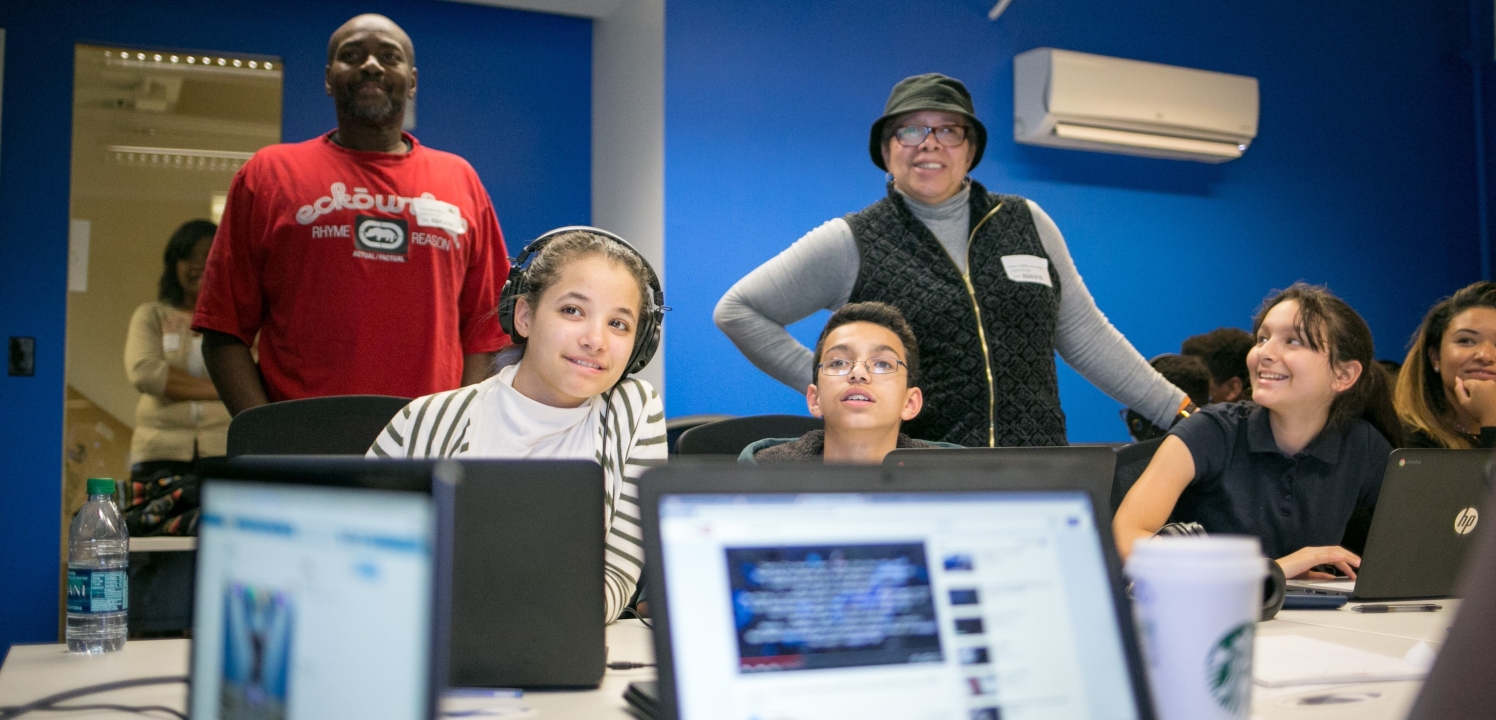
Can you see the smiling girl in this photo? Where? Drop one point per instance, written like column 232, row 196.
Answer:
column 585, row 314
column 1446, row 393
column 1293, row 465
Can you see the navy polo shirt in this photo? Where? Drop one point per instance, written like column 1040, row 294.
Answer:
column 1245, row 485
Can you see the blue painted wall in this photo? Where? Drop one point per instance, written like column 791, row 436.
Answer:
column 1362, row 176
column 510, row 91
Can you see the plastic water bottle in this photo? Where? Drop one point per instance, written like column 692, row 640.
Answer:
column 98, row 573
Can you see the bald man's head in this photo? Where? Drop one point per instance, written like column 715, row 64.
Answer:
column 370, row 22
column 371, row 74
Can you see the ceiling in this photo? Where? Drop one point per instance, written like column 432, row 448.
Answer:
column 579, row 8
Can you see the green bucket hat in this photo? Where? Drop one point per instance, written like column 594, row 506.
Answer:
column 931, row 91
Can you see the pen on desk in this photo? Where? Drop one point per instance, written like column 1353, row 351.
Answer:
column 1410, row 607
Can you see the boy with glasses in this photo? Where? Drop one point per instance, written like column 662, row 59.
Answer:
column 865, row 384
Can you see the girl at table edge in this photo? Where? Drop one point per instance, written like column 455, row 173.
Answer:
column 1313, row 375
column 583, row 315
column 1446, row 392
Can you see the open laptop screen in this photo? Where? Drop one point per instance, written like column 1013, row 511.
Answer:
column 969, row 606
column 313, row 602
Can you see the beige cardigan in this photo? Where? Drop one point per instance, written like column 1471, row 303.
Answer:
column 160, row 337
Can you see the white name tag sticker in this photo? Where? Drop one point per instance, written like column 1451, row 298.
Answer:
column 1027, row 268
column 171, row 342
column 431, row 212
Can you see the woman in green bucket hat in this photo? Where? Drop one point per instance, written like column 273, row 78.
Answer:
column 985, row 280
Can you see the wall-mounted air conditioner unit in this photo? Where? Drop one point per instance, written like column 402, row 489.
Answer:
column 1093, row 102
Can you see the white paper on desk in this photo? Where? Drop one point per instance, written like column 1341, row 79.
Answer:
column 1283, row 660
column 509, row 708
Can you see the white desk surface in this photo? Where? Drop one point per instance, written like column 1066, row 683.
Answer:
column 1391, row 634
column 34, row 671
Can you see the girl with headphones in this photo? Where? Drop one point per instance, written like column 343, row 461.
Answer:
column 583, row 309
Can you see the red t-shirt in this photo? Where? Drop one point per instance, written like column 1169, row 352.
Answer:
column 361, row 272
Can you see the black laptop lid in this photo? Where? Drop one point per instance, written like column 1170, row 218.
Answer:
column 321, row 589
column 872, row 592
column 1423, row 525
column 527, row 592
column 1054, row 468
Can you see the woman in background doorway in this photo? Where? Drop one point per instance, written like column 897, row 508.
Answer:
column 179, row 417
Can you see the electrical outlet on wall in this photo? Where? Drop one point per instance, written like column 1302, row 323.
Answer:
column 22, row 356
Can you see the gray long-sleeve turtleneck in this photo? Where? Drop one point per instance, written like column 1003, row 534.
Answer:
column 820, row 269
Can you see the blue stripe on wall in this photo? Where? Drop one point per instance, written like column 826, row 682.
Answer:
column 1362, row 177
column 509, row 91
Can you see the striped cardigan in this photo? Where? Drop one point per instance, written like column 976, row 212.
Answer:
column 630, row 439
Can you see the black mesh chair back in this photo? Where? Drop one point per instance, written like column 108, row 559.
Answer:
column 1132, row 460
column 729, row 437
column 337, row 425
column 676, row 426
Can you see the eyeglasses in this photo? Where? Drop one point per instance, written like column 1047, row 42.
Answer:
column 877, row 366
column 947, row 135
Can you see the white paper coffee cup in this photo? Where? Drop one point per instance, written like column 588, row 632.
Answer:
column 1197, row 600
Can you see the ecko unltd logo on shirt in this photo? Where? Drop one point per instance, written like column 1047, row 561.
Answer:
column 381, row 235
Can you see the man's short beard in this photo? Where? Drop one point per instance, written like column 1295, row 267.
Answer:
column 377, row 113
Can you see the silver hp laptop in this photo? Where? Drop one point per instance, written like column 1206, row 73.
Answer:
column 1425, row 517
column 879, row 592
column 321, row 589
column 1054, row 468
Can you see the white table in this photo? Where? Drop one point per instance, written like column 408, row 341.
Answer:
column 1391, row 634
column 34, row 671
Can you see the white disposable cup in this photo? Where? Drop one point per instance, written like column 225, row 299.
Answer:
column 1197, row 600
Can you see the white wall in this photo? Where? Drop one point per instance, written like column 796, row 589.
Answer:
column 628, row 135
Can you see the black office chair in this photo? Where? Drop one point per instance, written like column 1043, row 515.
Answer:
column 1132, row 460
column 337, row 425
column 675, row 427
column 729, row 437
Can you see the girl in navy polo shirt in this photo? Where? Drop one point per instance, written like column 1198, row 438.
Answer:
column 1293, row 465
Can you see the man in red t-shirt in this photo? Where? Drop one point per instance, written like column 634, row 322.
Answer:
column 364, row 262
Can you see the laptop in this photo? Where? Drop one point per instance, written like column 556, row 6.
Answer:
column 1460, row 685
column 1058, row 468
column 527, row 591
column 884, row 592
column 321, row 589
column 1422, row 528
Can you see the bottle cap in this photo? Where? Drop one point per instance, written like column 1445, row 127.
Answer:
column 100, row 486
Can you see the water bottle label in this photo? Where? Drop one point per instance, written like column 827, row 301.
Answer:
column 98, row 591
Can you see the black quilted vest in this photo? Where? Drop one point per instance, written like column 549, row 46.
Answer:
column 905, row 266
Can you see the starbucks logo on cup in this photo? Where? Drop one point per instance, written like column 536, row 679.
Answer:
column 1465, row 521
column 1228, row 668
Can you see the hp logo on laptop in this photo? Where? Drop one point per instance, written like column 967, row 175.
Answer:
column 1465, row 521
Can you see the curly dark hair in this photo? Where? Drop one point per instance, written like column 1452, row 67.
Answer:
column 1224, row 351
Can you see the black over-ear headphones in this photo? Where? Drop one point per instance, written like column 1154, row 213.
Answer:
column 646, row 335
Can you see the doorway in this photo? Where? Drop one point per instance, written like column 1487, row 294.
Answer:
column 157, row 137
